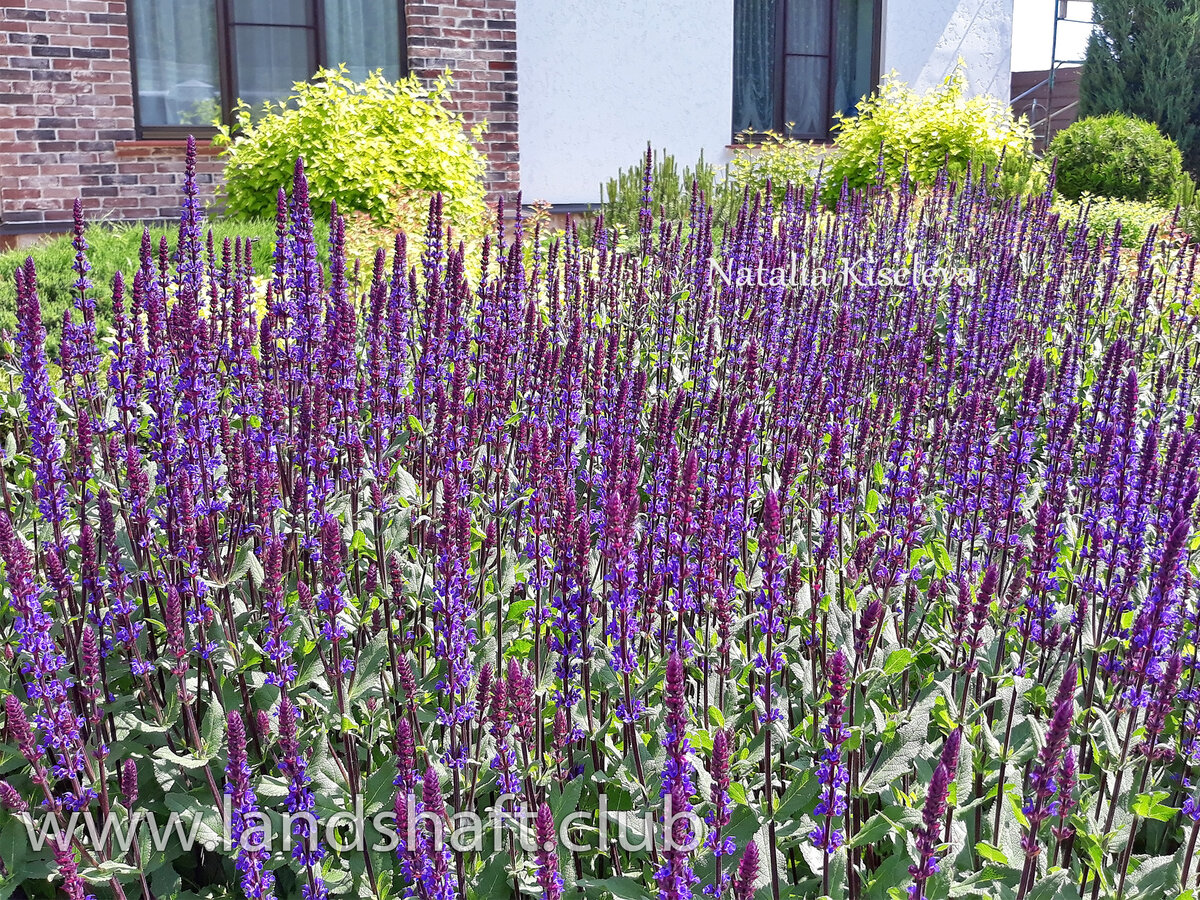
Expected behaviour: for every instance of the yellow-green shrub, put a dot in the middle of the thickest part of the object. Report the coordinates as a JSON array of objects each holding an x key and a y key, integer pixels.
[
  {"x": 376, "y": 147},
  {"x": 943, "y": 126},
  {"x": 777, "y": 160},
  {"x": 1136, "y": 216}
]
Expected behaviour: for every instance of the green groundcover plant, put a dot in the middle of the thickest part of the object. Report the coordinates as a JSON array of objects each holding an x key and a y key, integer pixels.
[
  {"x": 778, "y": 162},
  {"x": 844, "y": 554},
  {"x": 1103, "y": 214}
]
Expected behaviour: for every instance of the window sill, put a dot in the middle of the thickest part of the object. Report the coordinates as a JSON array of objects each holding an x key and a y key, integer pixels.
[
  {"x": 758, "y": 142},
  {"x": 132, "y": 148}
]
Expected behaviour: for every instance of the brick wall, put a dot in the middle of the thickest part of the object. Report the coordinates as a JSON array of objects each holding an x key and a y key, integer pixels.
[
  {"x": 66, "y": 121},
  {"x": 477, "y": 41}
]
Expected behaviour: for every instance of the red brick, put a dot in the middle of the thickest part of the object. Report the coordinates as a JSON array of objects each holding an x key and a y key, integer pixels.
[{"x": 482, "y": 55}]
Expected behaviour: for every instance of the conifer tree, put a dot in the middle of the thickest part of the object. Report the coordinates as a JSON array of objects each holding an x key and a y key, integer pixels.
[{"x": 1142, "y": 60}]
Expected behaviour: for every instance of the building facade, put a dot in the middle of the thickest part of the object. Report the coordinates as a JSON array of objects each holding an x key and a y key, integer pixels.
[
  {"x": 97, "y": 96},
  {"x": 691, "y": 75}
]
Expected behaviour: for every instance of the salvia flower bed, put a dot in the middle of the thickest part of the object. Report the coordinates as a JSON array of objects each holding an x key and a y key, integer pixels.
[{"x": 889, "y": 582}]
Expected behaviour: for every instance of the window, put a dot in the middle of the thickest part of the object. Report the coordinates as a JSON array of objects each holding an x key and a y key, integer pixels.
[
  {"x": 193, "y": 59},
  {"x": 797, "y": 62}
]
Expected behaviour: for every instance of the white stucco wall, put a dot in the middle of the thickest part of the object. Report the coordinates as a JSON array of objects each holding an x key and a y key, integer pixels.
[
  {"x": 597, "y": 80},
  {"x": 923, "y": 40}
]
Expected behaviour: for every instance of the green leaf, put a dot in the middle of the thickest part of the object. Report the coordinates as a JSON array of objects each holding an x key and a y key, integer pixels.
[
  {"x": 1150, "y": 806},
  {"x": 1157, "y": 876},
  {"x": 737, "y": 793},
  {"x": 566, "y": 802},
  {"x": 105, "y": 871},
  {"x": 898, "y": 660},
  {"x": 406, "y": 485},
  {"x": 517, "y": 610},
  {"x": 367, "y": 666},
  {"x": 212, "y": 729},
  {"x": 493, "y": 880},
  {"x": 904, "y": 746},
  {"x": 618, "y": 888},
  {"x": 14, "y": 844},
  {"x": 895, "y": 820},
  {"x": 872, "y": 503},
  {"x": 255, "y": 569},
  {"x": 1052, "y": 886},
  {"x": 190, "y": 762},
  {"x": 991, "y": 853},
  {"x": 203, "y": 816}
]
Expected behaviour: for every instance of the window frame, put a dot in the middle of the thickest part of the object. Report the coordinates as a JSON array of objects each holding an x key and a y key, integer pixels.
[
  {"x": 226, "y": 47},
  {"x": 779, "y": 54}
]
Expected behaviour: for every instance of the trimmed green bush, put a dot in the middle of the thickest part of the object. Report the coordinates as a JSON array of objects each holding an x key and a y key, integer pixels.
[
  {"x": 943, "y": 126},
  {"x": 1116, "y": 156},
  {"x": 376, "y": 147}
]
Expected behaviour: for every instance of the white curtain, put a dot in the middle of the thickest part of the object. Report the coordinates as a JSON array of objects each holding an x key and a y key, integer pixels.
[
  {"x": 175, "y": 48},
  {"x": 854, "y": 53},
  {"x": 754, "y": 57},
  {"x": 363, "y": 34}
]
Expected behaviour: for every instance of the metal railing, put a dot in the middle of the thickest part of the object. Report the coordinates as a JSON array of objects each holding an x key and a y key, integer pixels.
[
  {"x": 1041, "y": 84},
  {"x": 1051, "y": 114}
]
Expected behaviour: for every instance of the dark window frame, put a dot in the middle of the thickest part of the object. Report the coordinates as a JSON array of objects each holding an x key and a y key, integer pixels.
[
  {"x": 780, "y": 53},
  {"x": 226, "y": 45}
]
